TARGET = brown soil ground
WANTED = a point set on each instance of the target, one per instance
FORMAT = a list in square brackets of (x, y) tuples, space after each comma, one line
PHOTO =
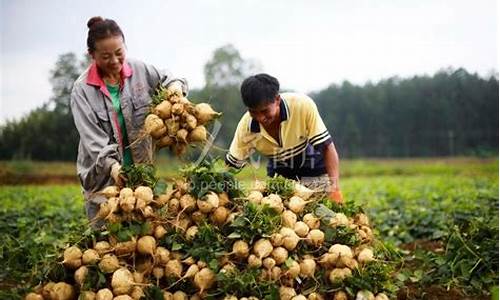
[(38, 179)]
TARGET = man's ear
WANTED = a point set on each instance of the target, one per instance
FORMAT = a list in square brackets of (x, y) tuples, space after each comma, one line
[(277, 98)]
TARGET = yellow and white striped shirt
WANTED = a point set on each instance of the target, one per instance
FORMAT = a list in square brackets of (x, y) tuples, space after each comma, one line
[(297, 153)]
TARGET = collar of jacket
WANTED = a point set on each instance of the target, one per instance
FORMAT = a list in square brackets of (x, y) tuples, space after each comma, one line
[(284, 115), (95, 79)]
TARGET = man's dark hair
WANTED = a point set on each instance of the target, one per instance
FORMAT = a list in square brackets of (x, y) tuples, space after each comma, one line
[(259, 89)]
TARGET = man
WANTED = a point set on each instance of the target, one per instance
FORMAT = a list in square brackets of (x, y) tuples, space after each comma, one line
[(288, 129)]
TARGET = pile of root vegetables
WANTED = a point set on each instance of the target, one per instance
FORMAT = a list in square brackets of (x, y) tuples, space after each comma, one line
[(206, 237), (176, 122)]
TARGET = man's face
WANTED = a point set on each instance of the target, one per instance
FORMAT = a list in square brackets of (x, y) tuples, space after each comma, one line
[(266, 113)]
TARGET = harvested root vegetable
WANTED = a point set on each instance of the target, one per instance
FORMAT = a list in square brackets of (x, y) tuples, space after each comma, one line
[(279, 254), (33, 296), (293, 269), (163, 110), (182, 136), (341, 251), (137, 293), (274, 201), (159, 232), (104, 294), (191, 232), (72, 257), (122, 281), (187, 202), (365, 295), (290, 238), (381, 296), (262, 248), (204, 113), (80, 275), (165, 141), (198, 134), (180, 295), (126, 192), (204, 279), (299, 297), (366, 255), (312, 221), (127, 204), (158, 273), (340, 295), (109, 263), (110, 191), (297, 204), (102, 247), (315, 296), (301, 229), (275, 273), (178, 109), (315, 237), (339, 220), (126, 248), (46, 289), (154, 126), (307, 267), (172, 126), (276, 239), (254, 261), (339, 274), (301, 191), (219, 216), (190, 121), (62, 291), (173, 268), (255, 197), (191, 271), (162, 255), (288, 218), (240, 249), (90, 257), (146, 245), (87, 295), (123, 297), (287, 293), (145, 193), (268, 263), (223, 199), (209, 203)]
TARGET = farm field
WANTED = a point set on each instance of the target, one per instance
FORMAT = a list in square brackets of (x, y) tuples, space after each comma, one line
[(438, 219)]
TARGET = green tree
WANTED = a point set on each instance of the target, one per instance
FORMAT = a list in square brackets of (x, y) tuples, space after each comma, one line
[(48, 132)]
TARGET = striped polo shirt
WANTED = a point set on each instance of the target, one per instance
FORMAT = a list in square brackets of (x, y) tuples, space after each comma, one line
[(299, 150)]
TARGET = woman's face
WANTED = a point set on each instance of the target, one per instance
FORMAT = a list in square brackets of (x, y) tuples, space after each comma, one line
[(109, 55)]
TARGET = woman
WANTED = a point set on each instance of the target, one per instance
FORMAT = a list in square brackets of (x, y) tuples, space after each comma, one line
[(109, 102)]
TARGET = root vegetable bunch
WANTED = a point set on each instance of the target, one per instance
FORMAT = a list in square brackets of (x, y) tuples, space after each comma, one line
[(179, 246), (176, 122)]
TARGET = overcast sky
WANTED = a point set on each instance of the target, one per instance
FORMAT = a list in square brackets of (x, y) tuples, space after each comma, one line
[(307, 45)]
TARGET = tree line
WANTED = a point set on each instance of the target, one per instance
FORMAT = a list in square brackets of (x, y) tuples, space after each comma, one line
[(452, 112)]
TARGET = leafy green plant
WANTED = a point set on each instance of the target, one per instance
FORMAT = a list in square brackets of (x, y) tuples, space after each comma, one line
[(255, 221), (280, 185)]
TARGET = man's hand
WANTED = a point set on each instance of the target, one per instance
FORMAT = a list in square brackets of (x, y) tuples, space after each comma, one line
[(115, 173), (336, 196)]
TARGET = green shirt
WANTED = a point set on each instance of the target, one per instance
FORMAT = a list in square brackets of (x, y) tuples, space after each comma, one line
[(114, 91)]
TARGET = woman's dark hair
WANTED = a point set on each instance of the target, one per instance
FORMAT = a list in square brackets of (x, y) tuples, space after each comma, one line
[(259, 89), (99, 29)]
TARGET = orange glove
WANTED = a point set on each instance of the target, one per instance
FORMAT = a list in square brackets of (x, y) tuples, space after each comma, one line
[(337, 197)]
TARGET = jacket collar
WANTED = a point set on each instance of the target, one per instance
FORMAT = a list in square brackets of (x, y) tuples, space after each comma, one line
[(95, 79), (284, 115)]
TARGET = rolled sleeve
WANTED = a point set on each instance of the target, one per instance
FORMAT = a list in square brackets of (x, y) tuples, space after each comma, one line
[(242, 145), (96, 154), (317, 132)]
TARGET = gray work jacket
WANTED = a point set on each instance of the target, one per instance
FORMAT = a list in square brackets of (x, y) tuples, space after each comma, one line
[(97, 122)]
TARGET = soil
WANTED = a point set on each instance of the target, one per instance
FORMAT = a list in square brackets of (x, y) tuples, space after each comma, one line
[(38, 179)]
